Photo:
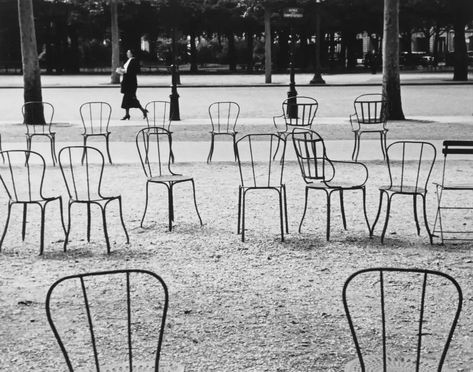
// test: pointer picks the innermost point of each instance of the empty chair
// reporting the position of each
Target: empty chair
(96, 119)
(401, 319)
(370, 117)
(410, 164)
(159, 115)
(22, 176)
(259, 171)
(455, 194)
(154, 149)
(38, 117)
(321, 173)
(223, 118)
(82, 169)
(110, 320)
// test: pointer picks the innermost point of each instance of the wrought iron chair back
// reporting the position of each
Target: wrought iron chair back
(410, 164)
(95, 117)
(82, 169)
(22, 175)
(154, 149)
(86, 307)
(32, 110)
(224, 116)
(255, 155)
(306, 111)
(371, 109)
(397, 291)
(159, 114)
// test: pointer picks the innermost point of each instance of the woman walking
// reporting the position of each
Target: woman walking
(129, 85)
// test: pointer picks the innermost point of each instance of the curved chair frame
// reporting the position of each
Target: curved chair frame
(14, 196)
(34, 129)
(159, 116)
(417, 189)
(313, 162)
(370, 117)
(223, 118)
(163, 173)
(361, 365)
(102, 201)
(95, 126)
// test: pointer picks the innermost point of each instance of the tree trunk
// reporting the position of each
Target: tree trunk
(193, 52)
(391, 78)
(267, 44)
(249, 51)
(29, 58)
(283, 54)
(460, 72)
(231, 52)
(115, 78)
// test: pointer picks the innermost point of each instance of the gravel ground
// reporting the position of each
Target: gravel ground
(261, 305)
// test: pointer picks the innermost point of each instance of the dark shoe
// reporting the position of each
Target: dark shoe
(126, 117)
(145, 113)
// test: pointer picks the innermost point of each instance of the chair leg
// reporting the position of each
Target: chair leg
(380, 205)
(170, 206)
(342, 210)
(388, 210)
(66, 238)
(53, 149)
(89, 217)
(62, 214)
(354, 148)
(415, 213)
(6, 225)
(234, 146)
(211, 151)
(23, 226)
(285, 208)
(281, 213)
(121, 219)
(305, 208)
(195, 202)
(171, 153)
(277, 148)
(107, 145)
(105, 231)
(84, 142)
(239, 209)
(146, 204)
(383, 145)
(41, 246)
(363, 190)
(243, 216)
(329, 194)
(28, 148)
(425, 220)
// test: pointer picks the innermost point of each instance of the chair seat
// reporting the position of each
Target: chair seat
(143, 367)
(338, 185)
(405, 189)
(232, 132)
(454, 186)
(170, 178)
(374, 363)
(97, 134)
(40, 134)
(377, 129)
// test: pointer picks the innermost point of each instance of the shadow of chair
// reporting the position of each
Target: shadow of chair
(370, 117)
(82, 169)
(38, 117)
(410, 164)
(321, 173)
(259, 171)
(223, 118)
(110, 320)
(401, 319)
(454, 194)
(159, 116)
(154, 149)
(22, 176)
(96, 119)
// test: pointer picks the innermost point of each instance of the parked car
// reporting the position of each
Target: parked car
(414, 59)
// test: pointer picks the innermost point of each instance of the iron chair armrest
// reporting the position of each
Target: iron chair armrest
(282, 122)
(361, 169)
(355, 125)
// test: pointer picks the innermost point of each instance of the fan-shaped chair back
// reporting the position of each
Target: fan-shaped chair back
(159, 114)
(154, 149)
(371, 108)
(224, 116)
(95, 117)
(305, 108)
(33, 114)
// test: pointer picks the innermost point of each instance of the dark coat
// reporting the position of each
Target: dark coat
(129, 82)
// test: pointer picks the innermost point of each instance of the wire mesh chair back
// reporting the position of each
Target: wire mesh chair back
(306, 111)
(398, 317)
(82, 169)
(95, 117)
(118, 316)
(159, 114)
(452, 148)
(154, 149)
(22, 175)
(410, 164)
(311, 156)
(371, 108)
(256, 160)
(37, 109)
(224, 116)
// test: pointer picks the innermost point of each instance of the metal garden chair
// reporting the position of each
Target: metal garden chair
(370, 117)
(329, 176)
(452, 194)
(159, 115)
(84, 185)
(154, 149)
(401, 319)
(223, 118)
(259, 171)
(22, 176)
(410, 164)
(117, 317)
(32, 110)
(96, 119)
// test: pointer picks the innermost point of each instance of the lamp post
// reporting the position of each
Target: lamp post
(317, 79)
(174, 96)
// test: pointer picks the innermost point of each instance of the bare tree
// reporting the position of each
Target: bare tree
(115, 78)
(391, 78)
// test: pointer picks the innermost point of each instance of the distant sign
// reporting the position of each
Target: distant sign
(293, 13)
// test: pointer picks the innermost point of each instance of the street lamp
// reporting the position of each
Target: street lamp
(174, 96)
(317, 79)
